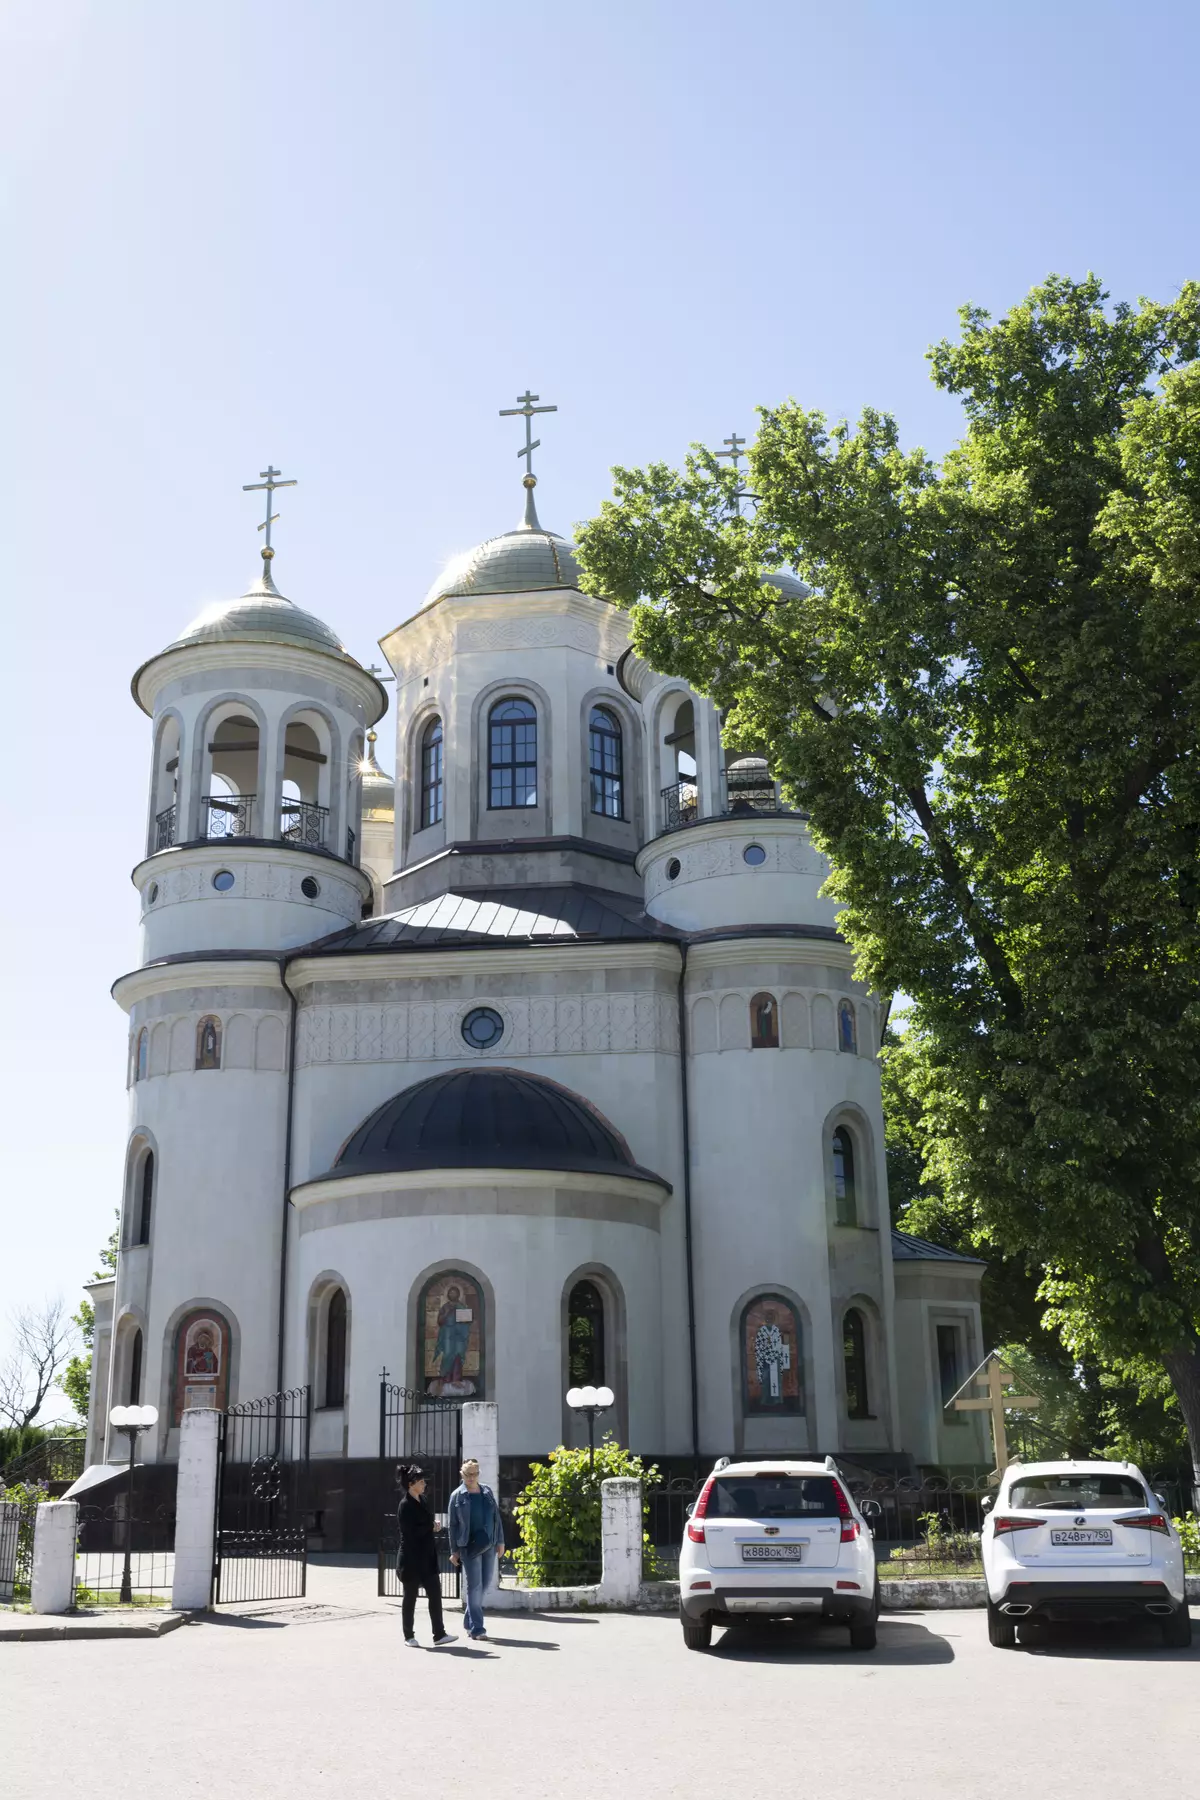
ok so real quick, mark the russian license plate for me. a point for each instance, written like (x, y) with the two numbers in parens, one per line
(1074, 1534)
(772, 1552)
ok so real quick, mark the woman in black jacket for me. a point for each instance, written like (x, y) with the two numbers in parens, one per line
(416, 1561)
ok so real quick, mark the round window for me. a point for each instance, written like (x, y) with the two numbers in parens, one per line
(223, 880)
(673, 868)
(483, 1027)
(310, 887)
(152, 894)
(754, 854)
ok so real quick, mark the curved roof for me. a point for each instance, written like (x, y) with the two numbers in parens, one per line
(378, 787)
(787, 584)
(487, 1118)
(518, 562)
(261, 615)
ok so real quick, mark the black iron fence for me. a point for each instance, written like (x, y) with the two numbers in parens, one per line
(124, 1555)
(54, 1463)
(415, 1429)
(303, 824)
(263, 1499)
(680, 805)
(228, 815)
(18, 1517)
(165, 826)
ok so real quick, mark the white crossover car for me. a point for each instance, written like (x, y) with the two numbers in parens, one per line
(778, 1539)
(1081, 1540)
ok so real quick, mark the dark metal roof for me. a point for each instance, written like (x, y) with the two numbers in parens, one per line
(517, 916)
(906, 1248)
(488, 1118)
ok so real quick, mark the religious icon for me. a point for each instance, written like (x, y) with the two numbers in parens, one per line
(452, 1337)
(202, 1356)
(771, 1368)
(200, 1369)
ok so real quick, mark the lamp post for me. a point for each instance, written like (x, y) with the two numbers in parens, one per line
(132, 1420)
(590, 1400)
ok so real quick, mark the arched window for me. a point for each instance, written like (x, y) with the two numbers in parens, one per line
(847, 1031)
(845, 1199)
(772, 1364)
(145, 1199)
(335, 1349)
(208, 1043)
(431, 774)
(142, 1063)
(450, 1337)
(512, 754)
(764, 1023)
(606, 763)
(854, 1354)
(585, 1335)
(134, 1397)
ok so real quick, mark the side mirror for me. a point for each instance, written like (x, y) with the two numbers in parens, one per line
(1162, 1501)
(689, 1509)
(985, 1505)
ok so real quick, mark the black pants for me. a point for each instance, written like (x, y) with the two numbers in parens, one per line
(431, 1581)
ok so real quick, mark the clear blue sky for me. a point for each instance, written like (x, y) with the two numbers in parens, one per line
(341, 236)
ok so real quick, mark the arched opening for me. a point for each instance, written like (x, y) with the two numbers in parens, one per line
(335, 1349)
(450, 1337)
(145, 1198)
(854, 1357)
(208, 1043)
(847, 1029)
(586, 1364)
(772, 1356)
(512, 755)
(606, 760)
(431, 810)
(680, 798)
(229, 803)
(845, 1195)
(165, 820)
(303, 808)
(141, 1065)
(764, 1023)
(200, 1364)
(133, 1388)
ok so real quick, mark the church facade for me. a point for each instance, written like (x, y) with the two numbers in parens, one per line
(542, 1064)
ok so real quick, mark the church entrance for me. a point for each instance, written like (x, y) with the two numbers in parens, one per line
(260, 1542)
(415, 1429)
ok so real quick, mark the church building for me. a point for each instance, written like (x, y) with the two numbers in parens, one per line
(541, 1064)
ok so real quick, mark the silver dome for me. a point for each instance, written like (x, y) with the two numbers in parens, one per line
(527, 560)
(378, 787)
(262, 615)
(787, 584)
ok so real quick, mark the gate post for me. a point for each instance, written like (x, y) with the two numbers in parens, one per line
(621, 1541)
(195, 1508)
(53, 1587)
(481, 1440)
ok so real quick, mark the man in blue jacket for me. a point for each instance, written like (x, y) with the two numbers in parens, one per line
(476, 1533)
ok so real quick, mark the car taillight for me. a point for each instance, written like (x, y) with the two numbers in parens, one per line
(1005, 1522)
(849, 1522)
(1144, 1522)
(695, 1525)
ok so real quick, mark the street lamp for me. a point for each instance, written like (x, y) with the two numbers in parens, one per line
(590, 1400)
(132, 1420)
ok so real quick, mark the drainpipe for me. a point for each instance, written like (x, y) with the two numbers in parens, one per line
(287, 1169)
(687, 1202)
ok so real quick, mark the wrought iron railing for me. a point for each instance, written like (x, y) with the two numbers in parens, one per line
(680, 805)
(750, 789)
(303, 824)
(228, 815)
(106, 1533)
(55, 1459)
(164, 828)
(351, 841)
(743, 791)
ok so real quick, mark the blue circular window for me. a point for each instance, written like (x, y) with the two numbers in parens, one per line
(223, 880)
(673, 868)
(754, 854)
(310, 887)
(483, 1027)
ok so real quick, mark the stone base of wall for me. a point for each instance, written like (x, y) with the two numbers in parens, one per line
(933, 1595)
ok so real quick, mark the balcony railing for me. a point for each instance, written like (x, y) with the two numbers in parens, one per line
(680, 804)
(228, 815)
(744, 789)
(303, 825)
(164, 828)
(351, 841)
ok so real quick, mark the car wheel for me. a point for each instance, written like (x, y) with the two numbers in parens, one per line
(1002, 1633)
(697, 1636)
(863, 1634)
(1177, 1630)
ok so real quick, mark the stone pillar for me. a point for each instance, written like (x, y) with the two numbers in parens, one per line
(621, 1541)
(481, 1440)
(53, 1589)
(195, 1503)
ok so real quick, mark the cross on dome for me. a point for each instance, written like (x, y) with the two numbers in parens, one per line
(734, 453)
(526, 410)
(270, 484)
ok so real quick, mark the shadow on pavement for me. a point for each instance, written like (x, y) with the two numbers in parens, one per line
(900, 1642)
(522, 1643)
(1138, 1641)
(243, 1621)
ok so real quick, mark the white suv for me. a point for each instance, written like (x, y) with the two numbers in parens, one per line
(1081, 1540)
(776, 1538)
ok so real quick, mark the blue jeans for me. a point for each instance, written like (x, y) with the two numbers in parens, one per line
(478, 1567)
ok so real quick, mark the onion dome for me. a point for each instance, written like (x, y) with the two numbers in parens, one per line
(527, 560)
(262, 615)
(487, 1118)
(787, 584)
(378, 787)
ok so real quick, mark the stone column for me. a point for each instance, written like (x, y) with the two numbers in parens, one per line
(195, 1503)
(53, 1589)
(621, 1541)
(481, 1440)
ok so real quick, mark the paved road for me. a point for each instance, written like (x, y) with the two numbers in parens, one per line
(322, 1699)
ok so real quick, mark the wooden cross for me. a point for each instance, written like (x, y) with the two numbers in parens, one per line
(992, 1375)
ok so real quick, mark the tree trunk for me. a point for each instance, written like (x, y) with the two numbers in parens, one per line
(1183, 1366)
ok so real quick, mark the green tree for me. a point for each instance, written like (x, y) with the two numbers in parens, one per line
(987, 701)
(77, 1381)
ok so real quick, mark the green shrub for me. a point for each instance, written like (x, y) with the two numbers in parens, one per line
(1188, 1528)
(559, 1513)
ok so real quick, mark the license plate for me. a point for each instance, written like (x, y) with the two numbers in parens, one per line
(772, 1552)
(1075, 1535)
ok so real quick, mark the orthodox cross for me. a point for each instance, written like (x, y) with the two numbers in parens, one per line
(992, 1375)
(270, 484)
(526, 411)
(734, 453)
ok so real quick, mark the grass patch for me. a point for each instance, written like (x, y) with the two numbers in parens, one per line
(929, 1570)
(91, 1597)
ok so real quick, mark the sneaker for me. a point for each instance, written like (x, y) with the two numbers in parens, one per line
(479, 1634)
(447, 1637)
(412, 1643)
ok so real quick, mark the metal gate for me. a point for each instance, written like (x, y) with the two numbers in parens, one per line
(262, 1499)
(413, 1428)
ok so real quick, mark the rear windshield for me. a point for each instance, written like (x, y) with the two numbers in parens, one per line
(772, 1497)
(1065, 1491)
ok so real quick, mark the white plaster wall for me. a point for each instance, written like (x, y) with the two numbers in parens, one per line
(716, 886)
(265, 909)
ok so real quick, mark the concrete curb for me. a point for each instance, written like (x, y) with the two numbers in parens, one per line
(35, 1628)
